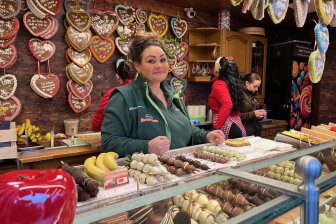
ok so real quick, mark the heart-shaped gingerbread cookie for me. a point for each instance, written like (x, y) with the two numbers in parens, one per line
(102, 49)
(41, 50)
(179, 85)
(10, 108)
(9, 9)
(79, 58)
(300, 12)
(126, 32)
(79, 20)
(35, 25)
(80, 91)
(122, 45)
(321, 37)
(180, 70)
(45, 86)
(8, 28)
(277, 10)
(78, 74)
(7, 56)
(181, 50)
(158, 24)
(78, 40)
(324, 10)
(169, 46)
(4, 43)
(52, 7)
(141, 16)
(125, 13)
(316, 64)
(8, 84)
(72, 5)
(104, 23)
(78, 105)
(172, 62)
(178, 26)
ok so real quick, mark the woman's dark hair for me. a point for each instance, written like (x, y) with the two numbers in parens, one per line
(251, 77)
(126, 70)
(141, 41)
(228, 72)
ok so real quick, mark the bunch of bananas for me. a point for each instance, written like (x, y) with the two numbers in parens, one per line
(96, 167)
(33, 132)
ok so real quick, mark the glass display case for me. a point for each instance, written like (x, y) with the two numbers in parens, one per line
(290, 197)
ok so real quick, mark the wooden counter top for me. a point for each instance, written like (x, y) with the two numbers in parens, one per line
(275, 123)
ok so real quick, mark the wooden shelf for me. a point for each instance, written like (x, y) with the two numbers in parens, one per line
(200, 79)
(206, 45)
(202, 61)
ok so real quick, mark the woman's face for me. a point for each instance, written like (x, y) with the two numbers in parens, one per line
(153, 66)
(253, 86)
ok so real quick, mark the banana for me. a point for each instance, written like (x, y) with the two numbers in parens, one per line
(40, 139)
(22, 128)
(32, 136)
(36, 129)
(33, 127)
(30, 130)
(27, 122)
(34, 140)
(92, 170)
(110, 161)
(38, 135)
(18, 128)
(100, 162)
(114, 155)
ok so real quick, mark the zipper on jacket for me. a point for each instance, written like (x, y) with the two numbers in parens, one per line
(159, 111)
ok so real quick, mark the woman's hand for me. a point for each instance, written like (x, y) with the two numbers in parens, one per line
(159, 145)
(216, 136)
(260, 113)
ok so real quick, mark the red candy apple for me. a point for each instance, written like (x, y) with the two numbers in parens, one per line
(35, 196)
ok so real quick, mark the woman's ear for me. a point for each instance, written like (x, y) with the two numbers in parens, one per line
(137, 66)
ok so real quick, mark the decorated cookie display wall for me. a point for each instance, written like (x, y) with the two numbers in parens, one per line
(158, 24)
(8, 84)
(45, 86)
(9, 9)
(10, 108)
(41, 50)
(102, 49)
(178, 26)
(104, 23)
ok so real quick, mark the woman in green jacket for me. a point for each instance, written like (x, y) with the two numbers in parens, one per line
(150, 116)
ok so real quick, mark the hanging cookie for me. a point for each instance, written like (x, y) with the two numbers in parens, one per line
(125, 13)
(79, 20)
(277, 10)
(8, 84)
(126, 32)
(321, 37)
(300, 11)
(104, 23)
(76, 5)
(78, 74)
(78, 105)
(41, 50)
(178, 26)
(324, 10)
(180, 70)
(158, 24)
(80, 91)
(79, 58)
(179, 85)
(46, 86)
(35, 25)
(236, 2)
(182, 50)
(141, 16)
(10, 108)
(169, 46)
(122, 45)
(101, 49)
(316, 64)
(9, 9)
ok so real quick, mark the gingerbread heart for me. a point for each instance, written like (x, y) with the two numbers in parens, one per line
(182, 50)
(140, 27)
(53, 29)
(125, 13)
(169, 46)
(4, 43)
(126, 32)
(141, 16)
(79, 40)
(8, 84)
(76, 5)
(78, 105)
(180, 70)
(45, 86)
(78, 74)
(10, 108)
(179, 85)
(322, 37)
(35, 25)
(122, 45)
(277, 10)
(41, 50)
(178, 26)
(8, 28)
(102, 49)
(52, 7)
(9, 9)
(324, 10)
(300, 12)
(316, 64)
(79, 20)
(171, 62)
(104, 23)
(158, 24)
(80, 91)
(79, 58)
(7, 56)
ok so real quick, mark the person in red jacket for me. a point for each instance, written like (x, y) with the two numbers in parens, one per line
(125, 74)
(226, 98)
